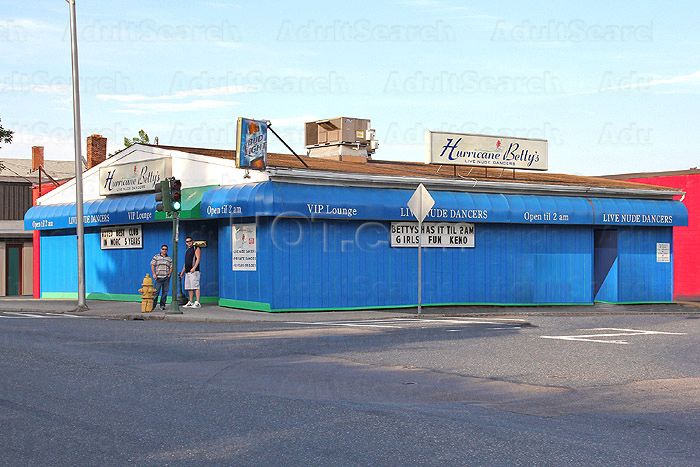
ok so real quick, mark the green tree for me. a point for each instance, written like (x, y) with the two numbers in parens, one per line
(5, 135)
(142, 138)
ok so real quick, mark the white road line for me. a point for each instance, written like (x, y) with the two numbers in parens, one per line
(344, 324)
(625, 332)
(637, 331)
(572, 338)
(20, 315)
(24, 315)
(403, 323)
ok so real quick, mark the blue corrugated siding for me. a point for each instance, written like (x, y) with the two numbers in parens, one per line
(641, 278)
(59, 271)
(327, 264)
(253, 286)
(121, 271)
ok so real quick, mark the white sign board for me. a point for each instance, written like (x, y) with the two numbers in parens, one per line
(244, 247)
(118, 237)
(486, 151)
(134, 177)
(421, 203)
(435, 235)
(663, 252)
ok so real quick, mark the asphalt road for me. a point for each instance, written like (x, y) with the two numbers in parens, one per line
(452, 391)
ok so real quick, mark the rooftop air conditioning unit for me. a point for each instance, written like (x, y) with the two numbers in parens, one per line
(341, 138)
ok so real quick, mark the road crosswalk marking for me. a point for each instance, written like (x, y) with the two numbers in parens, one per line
(404, 323)
(602, 337)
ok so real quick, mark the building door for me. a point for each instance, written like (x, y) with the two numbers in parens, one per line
(605, 265)
(13, 267)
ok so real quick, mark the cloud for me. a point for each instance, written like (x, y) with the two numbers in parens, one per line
(36, 88)
(296, 121)
(691, 78)
(26, 25)
(123, 97)
(441, 6)
(152, 107)
(205, 92)
(228, 44)
(220, 91)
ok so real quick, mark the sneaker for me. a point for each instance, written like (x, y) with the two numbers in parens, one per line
(188, 305)
(162, 307)
(196, 305)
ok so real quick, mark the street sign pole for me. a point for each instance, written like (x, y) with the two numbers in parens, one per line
(420, 265)
(420, 205)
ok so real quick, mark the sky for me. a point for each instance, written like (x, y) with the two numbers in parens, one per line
(610, 85)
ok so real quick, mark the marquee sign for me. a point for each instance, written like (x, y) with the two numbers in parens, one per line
(434, 234)
(121, 237)
(486, 151)
(134, 177)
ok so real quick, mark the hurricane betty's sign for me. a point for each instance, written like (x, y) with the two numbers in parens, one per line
(134, 177)
(486, 151)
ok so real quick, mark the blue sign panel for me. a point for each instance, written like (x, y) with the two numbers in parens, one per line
(118, 210)
(334, 202)
(613, 211)
(271, 199)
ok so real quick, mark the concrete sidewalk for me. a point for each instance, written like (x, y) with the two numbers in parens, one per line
(217, 314)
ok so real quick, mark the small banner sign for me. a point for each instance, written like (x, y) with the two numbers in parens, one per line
(244, 247)
(251, 144)
(486, 151)
(663, 252)
(435, 235)
(121, 237)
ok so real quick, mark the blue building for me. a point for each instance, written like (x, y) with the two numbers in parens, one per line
(338, 235)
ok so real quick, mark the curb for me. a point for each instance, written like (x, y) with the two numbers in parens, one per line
(558, 314)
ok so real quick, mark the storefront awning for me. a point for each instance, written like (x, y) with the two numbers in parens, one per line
(191, 200)
(617, 211)
(132, 209)
(335, 202)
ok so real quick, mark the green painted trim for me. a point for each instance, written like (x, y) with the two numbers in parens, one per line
(635, 303)
(207, 300)
(191, 202)
(59, 295)
(384, 307)
(117, 297)
(244, 304)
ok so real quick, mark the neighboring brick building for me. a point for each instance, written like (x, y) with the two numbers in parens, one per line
(686, 240)
(17, 179)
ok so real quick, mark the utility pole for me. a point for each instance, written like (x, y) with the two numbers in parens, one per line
(79, 229)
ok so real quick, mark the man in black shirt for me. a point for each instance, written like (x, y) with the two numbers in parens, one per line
(191, 272)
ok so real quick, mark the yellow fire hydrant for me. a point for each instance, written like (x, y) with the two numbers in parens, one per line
(147, 292)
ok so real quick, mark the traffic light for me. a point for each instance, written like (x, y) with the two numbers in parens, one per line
(176, 194)
(163, 197)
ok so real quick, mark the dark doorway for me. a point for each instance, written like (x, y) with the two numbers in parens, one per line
(13, 267)
(605, 265)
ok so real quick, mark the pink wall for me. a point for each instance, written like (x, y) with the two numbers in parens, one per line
(686, 240)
